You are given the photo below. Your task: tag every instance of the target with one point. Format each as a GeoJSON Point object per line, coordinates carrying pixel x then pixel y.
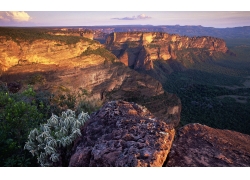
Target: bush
{"type": "Point", "coordinates": [18, 115]}
{"type": "Point", "coordinates": [52, 143]}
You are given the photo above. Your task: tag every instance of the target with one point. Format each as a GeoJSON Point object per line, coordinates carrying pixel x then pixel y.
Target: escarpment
{"type": "Point", "coordinates": [140, 49]}
{"type": "Point", "coordinates": [43, 51]}
{"type": "Point", "coordinates": [60, 67]}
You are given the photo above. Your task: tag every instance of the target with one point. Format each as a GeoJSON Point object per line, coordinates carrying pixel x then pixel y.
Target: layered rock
{"type": "Point", "coordinates": [140, 49]}
{"type": "Point", "coordinates": [123, 134]}
{"type": "Point", "coordinates": [43, 51]}
{"type": "Point", "coordinates": [51, 65]}
{"type": "Point", "coordinates": [73, 32]}
{"type": "Point", "coordinates": [199, 145]}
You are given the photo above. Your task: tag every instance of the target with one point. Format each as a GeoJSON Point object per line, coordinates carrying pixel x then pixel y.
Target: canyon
{"type": "Point", "coordinates": [61, 67]}
{"type": "Point", "coordinates": [139, 123]}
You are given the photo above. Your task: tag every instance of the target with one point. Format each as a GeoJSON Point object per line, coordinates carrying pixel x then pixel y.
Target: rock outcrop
{"type": "Point", "coordinates": [123, 134]}
{"type": "Point", "coordinates": [139, 49]}
{"type": "Point", "coordinates": [201, 146]}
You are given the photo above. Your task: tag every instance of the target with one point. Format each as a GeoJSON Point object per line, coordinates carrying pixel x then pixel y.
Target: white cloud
{"type": "Point", "coordinates": [141, 16]}
{"type": "Point", "coordinates": [16, 16]}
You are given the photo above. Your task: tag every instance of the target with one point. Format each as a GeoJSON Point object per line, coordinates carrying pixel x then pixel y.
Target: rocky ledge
{"type": "Point", "coordinates": [198, 145]}
{"type": "Point", "coordinates": [126, 134]}
{"type": "Point", "coordinates": [123, 134]}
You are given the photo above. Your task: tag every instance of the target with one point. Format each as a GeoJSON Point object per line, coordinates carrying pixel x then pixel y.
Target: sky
{"type": "Point", "coordinates": [120, 14]}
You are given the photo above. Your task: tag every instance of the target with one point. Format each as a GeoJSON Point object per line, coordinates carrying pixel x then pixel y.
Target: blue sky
{"type": "Point", "coordinates": [120, 13]}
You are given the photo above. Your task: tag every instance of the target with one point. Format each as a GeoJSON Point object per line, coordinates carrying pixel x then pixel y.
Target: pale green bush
{"type": "Point", "coordinates": [50, 141]}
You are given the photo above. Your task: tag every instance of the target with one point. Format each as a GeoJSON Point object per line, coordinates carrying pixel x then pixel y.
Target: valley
{"type": "Point", "coordinates": [181, 74]}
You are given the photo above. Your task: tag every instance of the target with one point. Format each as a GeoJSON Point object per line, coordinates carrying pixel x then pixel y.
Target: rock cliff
{"type": "Point", "coordinates": [198, 145]}
{"type": "Point", "coordinates": [140, 49]}
{"type": "Point", "coordinates": [54, 65]}
{"type": "Point", "coordinates": [42, 51]}
{"type": "Point", "coordinates": [123, 134]}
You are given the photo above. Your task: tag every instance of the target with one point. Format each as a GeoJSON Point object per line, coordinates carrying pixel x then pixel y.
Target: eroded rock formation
{"type": "Point", "coordinates": [13, 53]}
{"type": "Point", "coordinates": [140, 49]}
{"type": "Point", "coordinates": [198, 145]}
{"type": "Point", "coordinates": [55, 66]}
{"type": "Point", "coordinates": [123, 134]}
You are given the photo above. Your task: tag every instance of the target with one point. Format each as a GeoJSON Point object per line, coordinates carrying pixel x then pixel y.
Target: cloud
{"type": "Point", "coordinates": [16, 16]}
{"type": "Point", "coordinates": [141, 16]}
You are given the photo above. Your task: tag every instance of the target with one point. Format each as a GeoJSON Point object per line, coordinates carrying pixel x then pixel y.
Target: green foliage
{"type": "Point", "coordinates": [78, 101]}
{"type": "Point", "coordinates": [19, 113]}
{"type": "Point", "coordinates": [52, 143]}
{"type": "Point", "coordinates": [101, 52]}
{"type": "Point", "coordinates": [200, 103]}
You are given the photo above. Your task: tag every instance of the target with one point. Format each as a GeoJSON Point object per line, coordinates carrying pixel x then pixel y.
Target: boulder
{"type": "Point", "coordinates": [123, 134]}
{"type": "Point", "coordinates": [198, 145]}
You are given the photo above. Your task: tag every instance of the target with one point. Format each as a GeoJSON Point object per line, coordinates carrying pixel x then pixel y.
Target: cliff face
{"type": "Point", "coordinates": [41, 51]}
{"type": "Point", "coordinates": [140, 49]}
{"type": "Point", "coordinates": [86, 65]}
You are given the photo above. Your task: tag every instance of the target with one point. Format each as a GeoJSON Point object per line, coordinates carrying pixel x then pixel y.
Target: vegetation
{"type": "Point", "coordinates": [208, 89]}
{"type": "Point", "coordinates": [19, 113]}
{"type": "Point", "coordinates": [52, 142]}
{"type": "Point", "coordinates": [32, 34]}
{"type": "Point", "coordinates": [101, 52]}
{"type": "Point", "coordinates": [25, 110]}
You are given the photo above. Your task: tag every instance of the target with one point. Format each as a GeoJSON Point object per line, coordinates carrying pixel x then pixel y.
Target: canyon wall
{"type": "Point", "coordinates": [41, 51]}
{"type": "Point", "coordinates": [140, 49]}
{"type": "Point", "coordinates": [83, 65]}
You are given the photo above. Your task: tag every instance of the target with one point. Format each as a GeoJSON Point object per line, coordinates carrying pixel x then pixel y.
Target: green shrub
{"type": "Point", "coordinates": [101, 52]}
{"type": "Point", "coordinates": [52, 143]}
{"type": "Point", "coordinates": [18, 115]}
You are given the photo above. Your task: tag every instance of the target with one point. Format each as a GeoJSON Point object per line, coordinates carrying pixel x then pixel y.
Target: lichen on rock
{"type": "Point", "coordinates": [123, 134]}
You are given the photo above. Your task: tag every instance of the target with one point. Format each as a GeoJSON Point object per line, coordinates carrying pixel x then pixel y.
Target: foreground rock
{"type": "Point", "coordinates": [199, 145]}
{"type": "Point", "coordinates": [123, 134]}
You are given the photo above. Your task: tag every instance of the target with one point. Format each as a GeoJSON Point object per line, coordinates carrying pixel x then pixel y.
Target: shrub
{"type": "Point", "coordinates": [18, 115]}
{"type": "Point", "coordinates": [52, 143]}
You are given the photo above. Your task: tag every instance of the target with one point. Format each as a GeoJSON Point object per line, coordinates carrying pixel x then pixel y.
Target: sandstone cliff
{"type": "Point", "coordinates": [42, 51]}
{"type": "Point", "coordinates": [53, 65]}
{"type": "Point", "coordinates": [140, 49]}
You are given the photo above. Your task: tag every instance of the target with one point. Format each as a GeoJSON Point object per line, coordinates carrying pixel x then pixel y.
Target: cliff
{"type": "Point", "coordinates": [43, 51]}
{"type": "Point", "coordinates": [140, 49]}
{"type": "Point", "coordinates": [53, 65]}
